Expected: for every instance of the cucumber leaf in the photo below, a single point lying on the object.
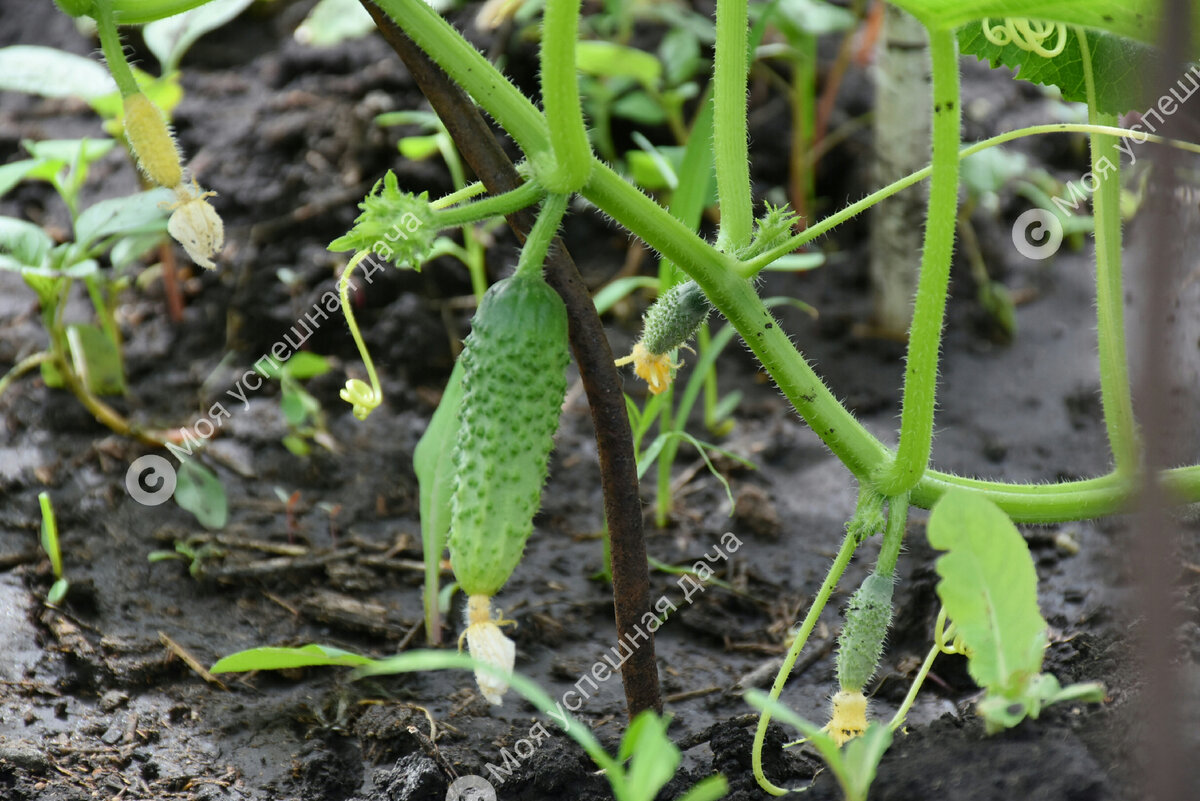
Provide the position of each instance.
(267, 658)
(989, 590)
(1119, 65)
(1136, 19)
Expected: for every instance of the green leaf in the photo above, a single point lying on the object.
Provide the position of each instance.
(862, 755)
(1119, 65)
(13, 173)
(610, 60)
(267, 658)
(67, 151)
(22, 244)
(611, 293)
(989, 590)
(419, 148)
(50, 534)
(1135, 19)
(199, 491)
(58, 591)
(134, 214)
(52, 73)
(812, 17)
(96, 359)
(304, 365)
(168, 39)
(709, 789)
(653, 757)
(333, 21)
(433, 462)
(639, 107)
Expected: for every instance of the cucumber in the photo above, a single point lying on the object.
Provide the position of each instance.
(514, 382)
(861, 642)
(150, 138)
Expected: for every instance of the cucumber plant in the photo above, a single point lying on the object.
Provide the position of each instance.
(1082, 47)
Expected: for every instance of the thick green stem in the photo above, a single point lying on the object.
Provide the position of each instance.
(495, 206)
(741, 305)
(560, 96)
(849, 543)
(925, 336)
(114, 53)
(893, 535)
(533, 253)
(1115, 394)
(730, 148)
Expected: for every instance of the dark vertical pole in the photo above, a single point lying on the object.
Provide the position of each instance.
(601, 382)
(1154, 558)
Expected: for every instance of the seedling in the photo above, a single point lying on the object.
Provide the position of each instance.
(652, 758)
(58, 590)
(196, 557)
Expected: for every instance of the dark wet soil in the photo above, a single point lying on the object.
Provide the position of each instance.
(99, 699)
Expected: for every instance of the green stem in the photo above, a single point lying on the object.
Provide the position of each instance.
(537, 244)
(501, 205)
(730, 148)
(849, 543)
(114, 53)
(737, 300)
(893, 535)
(560, 96)
(24, 366)
(902, 713)
(376, 395)
(752, 267)
(1115, 396)
(474, 73)
(666, 460)
(925, 336)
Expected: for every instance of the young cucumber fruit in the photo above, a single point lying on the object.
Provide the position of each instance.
(514, 382)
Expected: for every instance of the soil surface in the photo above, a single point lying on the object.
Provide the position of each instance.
(106, 697)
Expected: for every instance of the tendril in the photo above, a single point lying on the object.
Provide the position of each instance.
(1028, 34)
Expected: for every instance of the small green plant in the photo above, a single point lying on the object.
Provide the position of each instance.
(651, 756)
(195, 555)
(303, 414)
(58, 590)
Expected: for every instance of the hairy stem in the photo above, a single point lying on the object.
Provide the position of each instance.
(560, 96)
(730, 148)
(925, 336)
(1115, 395)
(849, 543)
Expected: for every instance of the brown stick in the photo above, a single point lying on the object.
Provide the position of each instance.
(601, 382)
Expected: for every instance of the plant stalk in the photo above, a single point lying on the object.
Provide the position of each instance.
(730, 147)
(601, 382)
(925, 336)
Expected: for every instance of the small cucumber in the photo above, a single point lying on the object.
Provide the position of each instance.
(867, 621)
(514, 382)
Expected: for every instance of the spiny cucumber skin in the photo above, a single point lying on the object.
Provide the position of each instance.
(674, 318)
(861, 641)
(514, 381)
